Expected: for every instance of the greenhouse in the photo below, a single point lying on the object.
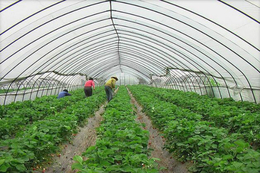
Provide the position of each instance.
(185, 97)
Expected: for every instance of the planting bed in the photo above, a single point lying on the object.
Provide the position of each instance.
(86, 137)
(140, 130)
(200, 138)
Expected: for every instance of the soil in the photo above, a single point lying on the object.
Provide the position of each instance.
(86, 137)
(156, 142)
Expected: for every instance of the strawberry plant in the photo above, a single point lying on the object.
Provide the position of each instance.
(121, 145)
(42, 136)
(212, 148)
(228, 113)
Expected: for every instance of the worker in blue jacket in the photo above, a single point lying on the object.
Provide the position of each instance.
(64, 93)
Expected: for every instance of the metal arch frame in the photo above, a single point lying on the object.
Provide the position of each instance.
(223, 68)
(109, 74)
(139, 61)
(245, 77)
(198, 30)
(84, 58)
(118, 38)
(204, 44)
(122, 63)
(138, 74)
(58, 18)
(131, 50)
(215, 23)
(240, 11)
(28, 16)
(156, 50)
(62, 52)
(176, 79)
(198, 57)
(181, 65)
(58, 46)
(149, 48)
(23, 60)
(106, 68)
(49, 86)
(47, 42)
(90, 51)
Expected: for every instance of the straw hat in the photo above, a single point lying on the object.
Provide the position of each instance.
(115, 78)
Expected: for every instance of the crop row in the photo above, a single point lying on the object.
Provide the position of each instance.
(236, 118)
(33, 142)
(191, 138)
(122, 145)
(17, 115)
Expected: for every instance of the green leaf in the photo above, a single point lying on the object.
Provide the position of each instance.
(237, 164)
(20, 167)
(227, 157)
(118, 157)
(3, 168)
(34, 128)
(76, 166)
(105, 163)
(78, 159)
(155, 159)
(2, 161)
(90, 149)
(67, 127)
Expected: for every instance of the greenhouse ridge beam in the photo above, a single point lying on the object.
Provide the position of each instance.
(118, 38)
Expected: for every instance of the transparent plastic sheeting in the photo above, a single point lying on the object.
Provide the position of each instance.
(215, 42)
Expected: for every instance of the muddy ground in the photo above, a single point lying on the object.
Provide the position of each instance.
(87, 137)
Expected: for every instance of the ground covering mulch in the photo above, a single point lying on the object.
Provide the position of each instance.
(86, 137)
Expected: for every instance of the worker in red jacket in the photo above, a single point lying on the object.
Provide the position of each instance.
(88, 87)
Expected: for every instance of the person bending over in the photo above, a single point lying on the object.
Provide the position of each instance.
(109, 86)
(63, 93)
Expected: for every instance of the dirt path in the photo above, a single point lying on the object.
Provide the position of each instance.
(86, 137)
(156, 142)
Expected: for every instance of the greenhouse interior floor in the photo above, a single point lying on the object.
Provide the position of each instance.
(86, 137)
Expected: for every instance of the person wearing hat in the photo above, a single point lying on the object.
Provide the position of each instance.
(109, 86)
(64, 93)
